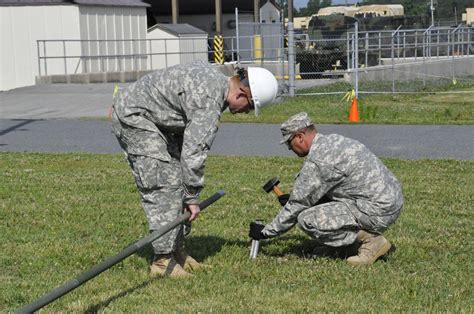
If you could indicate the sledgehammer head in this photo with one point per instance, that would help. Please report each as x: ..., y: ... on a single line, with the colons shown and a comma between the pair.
x: 272, y: 185
x: 268, y: 187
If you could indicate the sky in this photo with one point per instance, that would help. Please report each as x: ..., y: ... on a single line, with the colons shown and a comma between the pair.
x: 302, y: 3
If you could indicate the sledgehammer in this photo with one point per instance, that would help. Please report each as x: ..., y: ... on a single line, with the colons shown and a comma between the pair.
x: 111, y: 261
x: 272, y: 185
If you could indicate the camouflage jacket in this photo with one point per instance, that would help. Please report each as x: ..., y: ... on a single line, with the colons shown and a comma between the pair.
x: 183, y: 101
x: 344, y: 170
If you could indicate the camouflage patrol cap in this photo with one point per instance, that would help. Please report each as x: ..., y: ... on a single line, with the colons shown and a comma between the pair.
x: 293, y: 124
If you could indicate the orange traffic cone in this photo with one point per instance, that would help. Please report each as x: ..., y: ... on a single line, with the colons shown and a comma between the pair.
x: 354, y: 112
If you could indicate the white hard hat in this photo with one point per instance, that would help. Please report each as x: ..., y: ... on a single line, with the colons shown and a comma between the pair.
x: 263, y: 86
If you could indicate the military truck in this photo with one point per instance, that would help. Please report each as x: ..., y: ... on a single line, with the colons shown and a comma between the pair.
x: 326, y: 47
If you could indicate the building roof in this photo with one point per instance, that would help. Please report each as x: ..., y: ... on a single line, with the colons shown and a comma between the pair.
x: 109, y: 3
x: 179, y: 29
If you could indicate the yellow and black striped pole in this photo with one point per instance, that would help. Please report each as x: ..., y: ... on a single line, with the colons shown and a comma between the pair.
x: 218, y: 49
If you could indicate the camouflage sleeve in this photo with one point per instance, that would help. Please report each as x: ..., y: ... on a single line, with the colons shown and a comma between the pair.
x: 311, y: 184
x: 199, y: 134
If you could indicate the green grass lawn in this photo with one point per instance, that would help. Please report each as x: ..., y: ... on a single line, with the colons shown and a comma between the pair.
x: 445, y: 104
x: 63, y: 213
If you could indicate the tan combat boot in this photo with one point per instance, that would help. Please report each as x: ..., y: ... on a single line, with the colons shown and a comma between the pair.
x: 166, y: 265
x: 373, y: 246
x: 186, y: 261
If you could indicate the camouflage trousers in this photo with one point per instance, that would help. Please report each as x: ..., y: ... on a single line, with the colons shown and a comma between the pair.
x: 337, y: 223
x: 161, y: 191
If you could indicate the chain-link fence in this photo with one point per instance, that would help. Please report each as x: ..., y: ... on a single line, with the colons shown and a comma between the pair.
x: 388, y: 61
x: 383, y: 61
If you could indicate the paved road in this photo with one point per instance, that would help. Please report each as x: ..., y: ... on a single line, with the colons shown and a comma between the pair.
x: 244, y: 139
x: 45, y: 118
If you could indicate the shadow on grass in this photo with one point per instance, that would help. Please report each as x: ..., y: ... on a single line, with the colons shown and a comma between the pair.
x: 305, y: 247
x: 97, y: 307
x: 200, y: 247
x: 203, y: 247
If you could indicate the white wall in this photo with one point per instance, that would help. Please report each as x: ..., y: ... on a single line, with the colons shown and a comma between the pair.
x: 163, y: 42
x: 269, y: 14
x: 110, y: 23
x: 20, y: 27
x: 193, y: 48
x: 206, y: 22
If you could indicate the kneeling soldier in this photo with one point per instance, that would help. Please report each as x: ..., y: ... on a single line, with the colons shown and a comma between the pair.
x: 362, y: 198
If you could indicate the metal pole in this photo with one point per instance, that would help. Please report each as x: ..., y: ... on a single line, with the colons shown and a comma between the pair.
x: 99, y: 268
x: 166, y: 53
x: 291, y: 59
x: 454, y: 43
x: 290, y: 11
x: 348, y: 52
x: 366, y: 46
x: 255, y: 244
x: 404, y: 44
x: 45, y: 60
x: 218, y: 16
x: 237, y: 35
x: 432, y: 13
x: 64, y: 55
x: 353, y: 52
x: 356, y: 60
x: 425, y: 53
x: 39, y: 57
x: 174, y: 11
x: 380, y: 48
x: 416, y: 44
x: 437, y: 43
x: 256, y: 9
x: 393, y: 57
x: 469, y: 41
x: 151, y: 54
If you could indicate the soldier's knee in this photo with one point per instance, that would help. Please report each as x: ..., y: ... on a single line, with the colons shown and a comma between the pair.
x: 308, y: 223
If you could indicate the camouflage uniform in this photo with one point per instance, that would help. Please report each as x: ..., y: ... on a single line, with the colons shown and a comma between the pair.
x: 361, y: 193
x: 166, y: 122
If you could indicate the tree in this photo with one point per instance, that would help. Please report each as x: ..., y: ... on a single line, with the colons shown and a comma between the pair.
x: 313, y: 7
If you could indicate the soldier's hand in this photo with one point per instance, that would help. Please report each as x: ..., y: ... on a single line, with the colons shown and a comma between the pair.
x: 194, y: 210
x: 255, y: 231
x: 283, y: 199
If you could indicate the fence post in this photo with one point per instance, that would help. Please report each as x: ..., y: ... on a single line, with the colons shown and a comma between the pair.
x: 45, y: 59
x: 39, y: 57
x: 380, y: 48
x: 366, y: 46
x: 348, y: 51
x: 64, y: 56
x: 237, y: 35
x: 416, y: 44
x: 166, y: 53
x: 393, y: 57
x: 454, y: 52
x: 291, y: 59
x: 437, y: 43
x: 469, y: 41
x: 356, y: 54
x: 404, y: 44
x: 425, y: 53
x: 150, y: 54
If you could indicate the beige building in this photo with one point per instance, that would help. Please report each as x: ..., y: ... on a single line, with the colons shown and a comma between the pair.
x: 468, y: 17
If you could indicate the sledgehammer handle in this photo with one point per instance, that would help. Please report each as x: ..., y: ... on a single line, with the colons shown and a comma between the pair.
x: 277, y: 191
x: 99, y: 268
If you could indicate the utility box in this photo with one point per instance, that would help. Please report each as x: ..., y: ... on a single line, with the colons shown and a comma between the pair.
x: 171, y: 44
